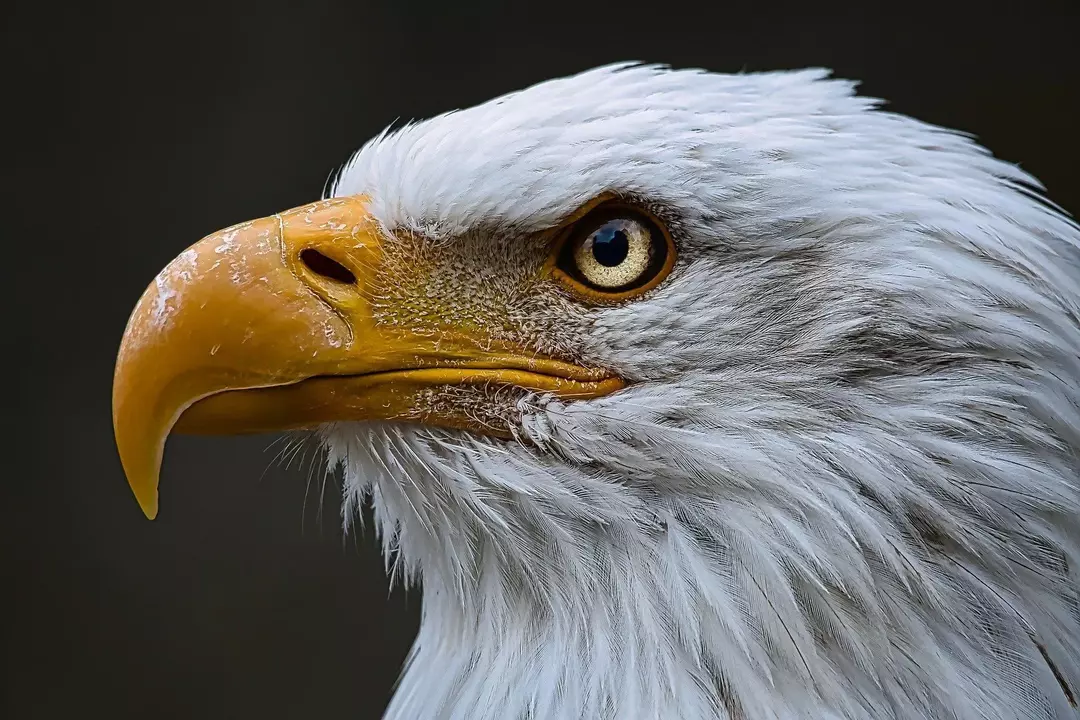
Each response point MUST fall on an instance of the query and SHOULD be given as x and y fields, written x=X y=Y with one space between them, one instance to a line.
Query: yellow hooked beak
x=269 y=325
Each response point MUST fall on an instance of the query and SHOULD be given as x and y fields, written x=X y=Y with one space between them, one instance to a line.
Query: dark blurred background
x=135 y=130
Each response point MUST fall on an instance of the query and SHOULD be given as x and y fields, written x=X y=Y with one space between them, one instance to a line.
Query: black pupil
x=610 y=245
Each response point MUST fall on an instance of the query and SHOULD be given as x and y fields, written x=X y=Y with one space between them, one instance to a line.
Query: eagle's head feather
x=842 y=478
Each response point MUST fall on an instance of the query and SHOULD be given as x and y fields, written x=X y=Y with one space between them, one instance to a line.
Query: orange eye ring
x=612 y=252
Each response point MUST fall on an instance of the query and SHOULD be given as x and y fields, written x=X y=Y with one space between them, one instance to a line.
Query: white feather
x=844 y=482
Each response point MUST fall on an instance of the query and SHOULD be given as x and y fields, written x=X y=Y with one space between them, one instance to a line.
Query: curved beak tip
x=149 y=505
x=232 y=312
x=143 y=482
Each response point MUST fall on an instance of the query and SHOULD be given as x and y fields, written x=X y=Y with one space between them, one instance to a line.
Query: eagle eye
x=613 y=253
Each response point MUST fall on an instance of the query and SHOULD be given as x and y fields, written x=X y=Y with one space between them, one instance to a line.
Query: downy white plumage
x=843 y=482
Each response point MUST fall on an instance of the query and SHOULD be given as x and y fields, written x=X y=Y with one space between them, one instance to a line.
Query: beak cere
x=269 y=325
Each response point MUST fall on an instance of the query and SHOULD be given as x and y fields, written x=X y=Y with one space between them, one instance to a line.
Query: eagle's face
x=683 y=394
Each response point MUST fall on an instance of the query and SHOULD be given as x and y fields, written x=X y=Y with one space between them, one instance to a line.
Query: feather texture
x=844 y=480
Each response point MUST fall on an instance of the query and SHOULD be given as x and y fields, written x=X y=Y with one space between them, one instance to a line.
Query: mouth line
x=384 y=394
x=478 y=374
x=539 y=366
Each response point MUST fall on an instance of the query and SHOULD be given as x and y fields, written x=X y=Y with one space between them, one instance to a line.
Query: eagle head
x=681 y=394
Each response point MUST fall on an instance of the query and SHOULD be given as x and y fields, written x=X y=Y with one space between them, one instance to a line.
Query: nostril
x=327 y=267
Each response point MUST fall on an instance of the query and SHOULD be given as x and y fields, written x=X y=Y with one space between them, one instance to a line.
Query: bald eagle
x=684 y=395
